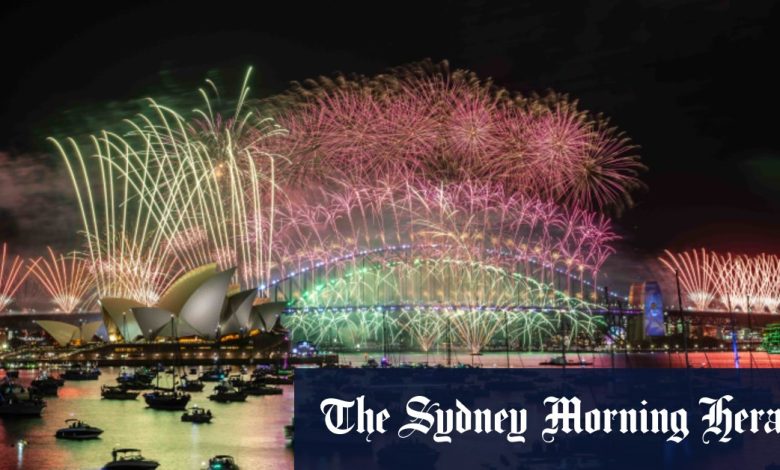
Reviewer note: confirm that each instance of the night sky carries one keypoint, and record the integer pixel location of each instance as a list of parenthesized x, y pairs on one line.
[(693, 83)]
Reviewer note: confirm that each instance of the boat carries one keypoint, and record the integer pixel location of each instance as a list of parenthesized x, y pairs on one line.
[(278, 379), (77, 372), (78, 430), (563, 362), (129, 459), (258, 389), (46, 385), (197, 414), (140, 379), (191, 385), (117, 392), (225, 393), (289, 431), (16, 401), (48, 377), (167, 399), (213, 375), (135, 385), (370, 363), (170, 399), (222, 462), (236, 381)]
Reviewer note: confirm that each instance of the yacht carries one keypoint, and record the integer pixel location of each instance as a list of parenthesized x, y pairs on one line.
[(118, 392), (47, 385), (222, 462), (236, 380), (225, 393), (78, 430), (258, 389), (134, 384), (139, 379), (16, 401), (129, 459), (213, 375), (167, 399), (191, 385), (197, 414), (77, 372), (563, 362), (280, 377)]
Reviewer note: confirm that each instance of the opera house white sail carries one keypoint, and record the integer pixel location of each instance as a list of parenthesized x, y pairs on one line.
[(198, 304), (65, 333)]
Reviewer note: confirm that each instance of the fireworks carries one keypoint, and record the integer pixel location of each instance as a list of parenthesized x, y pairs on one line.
[(67, 279), (438, 125), (173, 195), (697, 275), (11, 277), (429, 190), (732, 282), (413, 258), (422, 296)]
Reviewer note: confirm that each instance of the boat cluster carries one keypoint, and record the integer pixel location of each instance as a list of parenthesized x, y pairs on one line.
[(16, 400)]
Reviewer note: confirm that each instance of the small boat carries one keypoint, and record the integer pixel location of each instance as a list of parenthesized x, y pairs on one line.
[(225, 393), (371, 363), (49, 378), (46, 385), (278, 379), (259, 389), (132, 378), (81, 373), (289, 431), (129, 459), (78, 430), (561, 362), (135, 384), (16, 401), (197, 414), (222, 462), (213, 375), (167, 399), (191, 385), (236, 380), (140, 379), (117, 392)]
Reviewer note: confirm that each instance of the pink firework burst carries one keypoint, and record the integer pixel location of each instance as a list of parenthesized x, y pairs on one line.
[(432, 124)]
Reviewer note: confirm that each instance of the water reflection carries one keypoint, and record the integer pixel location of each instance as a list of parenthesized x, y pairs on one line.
[(252, 432)]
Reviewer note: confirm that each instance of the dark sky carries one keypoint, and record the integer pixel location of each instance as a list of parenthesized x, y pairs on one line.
[(693, 83)]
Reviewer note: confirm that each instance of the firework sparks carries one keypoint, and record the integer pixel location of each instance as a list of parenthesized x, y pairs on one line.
[(12, 276), (175, 195), (67, 279), (441, 125), (436, 191), (733, 282)]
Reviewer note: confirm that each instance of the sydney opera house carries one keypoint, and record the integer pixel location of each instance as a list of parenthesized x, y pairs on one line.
[(200, 311)]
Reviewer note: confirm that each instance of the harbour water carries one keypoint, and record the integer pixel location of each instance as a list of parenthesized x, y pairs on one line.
[(252, 432)]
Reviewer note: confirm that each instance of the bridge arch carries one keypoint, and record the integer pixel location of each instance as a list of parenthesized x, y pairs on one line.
[(421, 299)]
